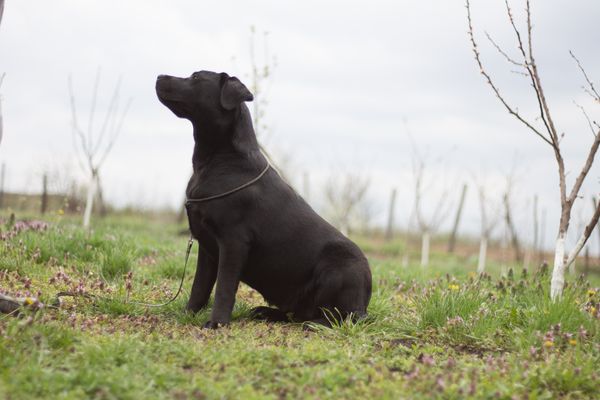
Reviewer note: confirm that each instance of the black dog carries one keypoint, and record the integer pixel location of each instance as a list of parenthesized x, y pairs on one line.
[(263, 234)]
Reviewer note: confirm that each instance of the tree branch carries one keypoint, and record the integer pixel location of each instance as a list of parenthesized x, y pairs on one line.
[(589, 121), (586, 167), (493, 86), (508, 58), (592, 90), (112, 107), (116, 132), (75, 126), (543, 104), (532, 70), (93, 108), (584, 237)]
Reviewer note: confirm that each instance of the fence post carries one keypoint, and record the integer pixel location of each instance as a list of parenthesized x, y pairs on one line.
[(44, 194)]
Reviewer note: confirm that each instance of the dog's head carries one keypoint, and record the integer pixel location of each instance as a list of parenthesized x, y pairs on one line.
[(204, 97)]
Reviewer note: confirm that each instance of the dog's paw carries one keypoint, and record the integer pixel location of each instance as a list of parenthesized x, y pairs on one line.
[(268, 314), (213, 325)]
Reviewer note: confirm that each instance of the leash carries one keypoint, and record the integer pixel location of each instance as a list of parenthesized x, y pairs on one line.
[(56, 302), (187, 252), (172, 299)]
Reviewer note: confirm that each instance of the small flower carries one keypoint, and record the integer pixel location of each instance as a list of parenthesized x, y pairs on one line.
[(453, 287), (61, 212), (548, 343), (532, 351), (572, 342), (426, 359), (440, 383), (591, 292)]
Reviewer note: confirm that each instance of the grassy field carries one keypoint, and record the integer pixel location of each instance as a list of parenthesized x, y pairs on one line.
[(442, 332)]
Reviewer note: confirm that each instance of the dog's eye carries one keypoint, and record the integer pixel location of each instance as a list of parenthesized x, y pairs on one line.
[(195, 76)]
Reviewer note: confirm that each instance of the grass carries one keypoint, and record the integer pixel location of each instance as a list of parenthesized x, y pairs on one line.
[(442, 332)]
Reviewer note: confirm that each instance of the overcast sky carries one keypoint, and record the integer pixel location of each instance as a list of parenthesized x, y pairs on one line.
[(351, 79)]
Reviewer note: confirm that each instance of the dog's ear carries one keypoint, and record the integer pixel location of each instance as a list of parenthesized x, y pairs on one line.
[(233, 92)]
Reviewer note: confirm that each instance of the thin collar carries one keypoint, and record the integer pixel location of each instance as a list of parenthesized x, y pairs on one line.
[(237, 189)]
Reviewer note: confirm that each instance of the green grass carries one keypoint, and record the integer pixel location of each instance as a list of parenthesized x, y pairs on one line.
[(441, 332)]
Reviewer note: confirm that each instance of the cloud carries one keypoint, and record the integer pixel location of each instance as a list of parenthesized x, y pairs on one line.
[(347, 75)]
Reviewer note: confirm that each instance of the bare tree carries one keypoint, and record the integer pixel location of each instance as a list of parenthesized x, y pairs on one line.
[(461, 203), (508, 216), (427, 223), (94, 144), (261, 75), (548, 133), (345, 197), (489, 215)]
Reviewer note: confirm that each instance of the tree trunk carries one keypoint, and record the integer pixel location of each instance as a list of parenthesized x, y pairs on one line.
[(452, 241), (514, 239), (558, 272), (572, 270), (100, 198), (425, 249), (389, 232), (482, 255), (91, 194)]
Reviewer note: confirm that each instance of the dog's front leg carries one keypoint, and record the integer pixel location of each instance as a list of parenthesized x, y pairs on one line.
[(232, 257), (204, 281)]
